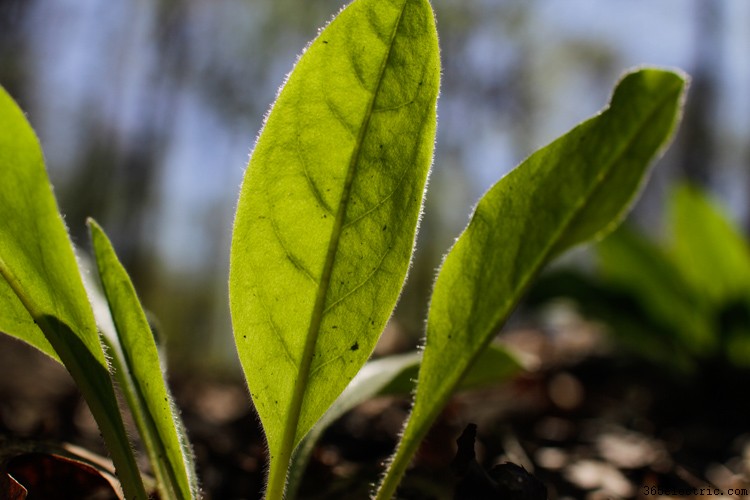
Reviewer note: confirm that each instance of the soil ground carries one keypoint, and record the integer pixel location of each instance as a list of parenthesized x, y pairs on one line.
[(587, 421)]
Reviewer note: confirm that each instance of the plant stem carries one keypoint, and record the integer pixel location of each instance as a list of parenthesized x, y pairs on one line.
[(406, 449)]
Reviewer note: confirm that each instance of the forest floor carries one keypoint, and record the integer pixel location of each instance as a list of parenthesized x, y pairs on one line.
[(587, 421)]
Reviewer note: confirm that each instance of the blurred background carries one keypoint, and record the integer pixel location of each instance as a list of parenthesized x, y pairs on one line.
[(147, 111)]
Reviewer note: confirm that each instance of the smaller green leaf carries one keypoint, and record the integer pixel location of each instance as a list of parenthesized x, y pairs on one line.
[(710, 252), (392, 376), (570, 191), (137, 361)]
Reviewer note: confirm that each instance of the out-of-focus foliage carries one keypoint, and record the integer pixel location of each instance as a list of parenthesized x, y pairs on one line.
[(682, 302)]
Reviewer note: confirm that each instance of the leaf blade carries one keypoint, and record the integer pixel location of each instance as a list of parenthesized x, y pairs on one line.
[(43, 299), (512, 235), (28, 210), (148, 396), (344, 154)]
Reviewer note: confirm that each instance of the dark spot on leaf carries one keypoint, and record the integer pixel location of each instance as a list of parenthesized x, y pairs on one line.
[(334, 327), (326, 41), (355, 346), (385, 226)]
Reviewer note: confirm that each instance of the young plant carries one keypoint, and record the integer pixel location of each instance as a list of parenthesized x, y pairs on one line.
[(322, 241), (330, 202)]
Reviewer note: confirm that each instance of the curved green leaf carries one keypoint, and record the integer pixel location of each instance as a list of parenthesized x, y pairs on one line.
[(43, 299), (572, 190), (395, 375), (142, 381), (328, 211)]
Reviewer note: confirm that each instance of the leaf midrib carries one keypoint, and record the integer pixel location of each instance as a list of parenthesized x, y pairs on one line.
[(301, 382)]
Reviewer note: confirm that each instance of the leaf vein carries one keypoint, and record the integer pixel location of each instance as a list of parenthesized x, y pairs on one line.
[(311, 339), (296, 262), (339, 116), (274, 327), (359, 285), (313, 187), (379, 203)]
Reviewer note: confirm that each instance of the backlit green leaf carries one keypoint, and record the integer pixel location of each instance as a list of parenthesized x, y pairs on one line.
[(43, 301), (160, 427), (328, 211), (572, 190)]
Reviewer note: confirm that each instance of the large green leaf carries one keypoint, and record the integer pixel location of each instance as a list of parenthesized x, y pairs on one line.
[(569, 191), (43, 301), (328, 211), (142, 381)]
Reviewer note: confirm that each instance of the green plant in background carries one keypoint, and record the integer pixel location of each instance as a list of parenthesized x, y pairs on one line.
[(322, 241), (682, 302)]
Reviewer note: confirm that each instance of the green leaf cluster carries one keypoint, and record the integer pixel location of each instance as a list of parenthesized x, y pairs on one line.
[(43, 302), (322, 241)]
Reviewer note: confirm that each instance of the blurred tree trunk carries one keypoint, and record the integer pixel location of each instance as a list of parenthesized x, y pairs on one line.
[(698, 144), (13, 49)]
